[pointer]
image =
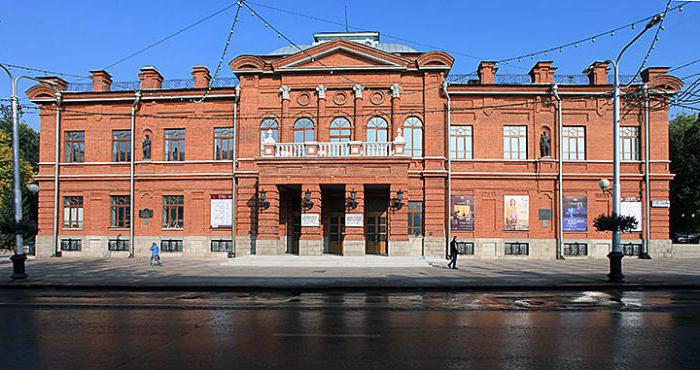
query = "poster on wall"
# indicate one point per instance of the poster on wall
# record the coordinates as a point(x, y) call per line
point(220, 210)
point(632, 209)
point(517, 212)
point(462, 215)
point(575, 213)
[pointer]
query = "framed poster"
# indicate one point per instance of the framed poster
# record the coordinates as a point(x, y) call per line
point(220, 210)
point(575, 213)
point(632, 209)
point(516, 212)
point(462, 213)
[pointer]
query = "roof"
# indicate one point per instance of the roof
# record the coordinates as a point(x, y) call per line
point(366, 38)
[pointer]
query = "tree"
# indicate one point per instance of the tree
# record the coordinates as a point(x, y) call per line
point(685, 164)
point(29, 143)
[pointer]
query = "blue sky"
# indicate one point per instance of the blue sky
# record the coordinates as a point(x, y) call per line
point(80, 35)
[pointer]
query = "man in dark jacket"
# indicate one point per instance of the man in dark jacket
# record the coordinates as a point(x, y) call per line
point(453, 254)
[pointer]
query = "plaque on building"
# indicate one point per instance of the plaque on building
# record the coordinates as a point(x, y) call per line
point(354, 220)
point(309, 219)
point(661, 203)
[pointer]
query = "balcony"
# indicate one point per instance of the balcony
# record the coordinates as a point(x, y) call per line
point(333, 150)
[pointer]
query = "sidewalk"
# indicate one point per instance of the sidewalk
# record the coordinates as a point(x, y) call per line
point(288, 272)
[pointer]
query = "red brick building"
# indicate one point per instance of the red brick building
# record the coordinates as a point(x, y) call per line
point(347, 146)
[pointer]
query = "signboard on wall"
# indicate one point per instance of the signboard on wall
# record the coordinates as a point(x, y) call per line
point(310, 219)
point(661, 203)
point(632, 209)
point(221, 208)
point(462, 213)
point(575, 214)
point(354, 220)
point(516, 212)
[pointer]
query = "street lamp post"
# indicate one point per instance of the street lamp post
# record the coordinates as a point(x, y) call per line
point(18, 271)
point(616, 255)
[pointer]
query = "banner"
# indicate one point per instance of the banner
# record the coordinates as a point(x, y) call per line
point(462, 213)
point(516, 212)
point(632, 209)
point(575, 214)
point(221, 210)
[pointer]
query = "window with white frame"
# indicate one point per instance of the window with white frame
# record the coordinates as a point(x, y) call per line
point(340, 130)
point(629, 143)
point(303, 130)
point(573, 142)
point(73, 212)
point(413, 133)
point(461, 142)
point(377, 130)
point(515, 142)
point(268, 126)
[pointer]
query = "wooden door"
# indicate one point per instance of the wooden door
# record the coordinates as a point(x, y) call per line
point(336, 233)
point(376, 233)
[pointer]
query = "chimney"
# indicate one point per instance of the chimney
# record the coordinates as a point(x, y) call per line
point(101, 81)
point(597, 73)
point(150, 78)
point(487, 71)
point(201, 76)
point(653, 72)
point(61, 84)
point(542, 73)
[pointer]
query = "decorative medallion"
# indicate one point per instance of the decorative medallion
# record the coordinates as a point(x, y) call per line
point(377, 98)
point(304, 99)
point(339, 98)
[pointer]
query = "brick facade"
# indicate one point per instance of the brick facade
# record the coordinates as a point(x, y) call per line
point(355, 81)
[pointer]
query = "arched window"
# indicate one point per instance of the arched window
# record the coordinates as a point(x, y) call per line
point(268, 125)
point(303, 130)
point(413, 132)
point(377, 130)
point(340, 130)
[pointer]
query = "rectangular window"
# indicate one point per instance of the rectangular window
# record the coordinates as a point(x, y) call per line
point(121, 208)
point(631, 249)
point(175, 144)
point(461, 142)
point(466, 248)
point(223, 143)
point(221, 246)
point(71, 245)
point(415, 218)
point(517, 249)
point(73, 212)
point(121, 145)
point(575, 249)
point(75, 146)
point(171, 245)
point(574, 143)
point(629, 143)
point(173, 209)
point(515, 142)
point(118, 245)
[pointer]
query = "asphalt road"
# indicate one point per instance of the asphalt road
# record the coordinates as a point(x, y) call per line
point(93, 329)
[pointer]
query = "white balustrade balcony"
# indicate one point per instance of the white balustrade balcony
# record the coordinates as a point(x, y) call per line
point(333, 149)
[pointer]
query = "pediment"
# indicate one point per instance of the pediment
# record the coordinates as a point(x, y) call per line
point(340, 54)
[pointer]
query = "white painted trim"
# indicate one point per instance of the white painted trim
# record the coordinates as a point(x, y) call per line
point(68, 99)
point(357, 68)
point(331, 50)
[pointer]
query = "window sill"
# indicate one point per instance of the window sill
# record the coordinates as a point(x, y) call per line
point(172, 229)
point(73, 229)
point(119, 228)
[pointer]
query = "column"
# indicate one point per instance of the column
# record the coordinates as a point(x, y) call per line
point(398, 222)
point(322, 136)
point(246, 215)
point(434, 203)
point(285, 120)
point(395, 104)
point(354, 242)
point(268, 241)
point(311, 239)
point(358, 118)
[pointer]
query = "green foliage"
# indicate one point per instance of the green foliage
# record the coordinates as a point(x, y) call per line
point(29, 157)
point(685, 164)
point(612, 223)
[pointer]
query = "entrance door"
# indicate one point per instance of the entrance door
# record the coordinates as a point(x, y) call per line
point(375, 233)
point(336, 233)
point(293, 233)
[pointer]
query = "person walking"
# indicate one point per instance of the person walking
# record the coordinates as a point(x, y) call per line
point(155, 256)
point(453, 254)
